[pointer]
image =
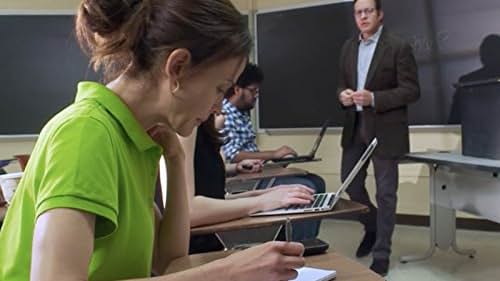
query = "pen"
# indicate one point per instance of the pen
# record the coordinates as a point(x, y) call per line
point(288, 230)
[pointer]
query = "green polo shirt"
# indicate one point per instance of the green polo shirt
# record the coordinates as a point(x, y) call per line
point(93, 156)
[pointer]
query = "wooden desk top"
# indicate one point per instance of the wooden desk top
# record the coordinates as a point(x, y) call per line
point(342, 207)
point(347, 269)
point(270, 172)
point(3, 210)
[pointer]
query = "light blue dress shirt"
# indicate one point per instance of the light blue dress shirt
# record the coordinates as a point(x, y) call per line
point(365, 55)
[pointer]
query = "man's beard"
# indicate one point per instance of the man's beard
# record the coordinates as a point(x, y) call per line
point(246, 106)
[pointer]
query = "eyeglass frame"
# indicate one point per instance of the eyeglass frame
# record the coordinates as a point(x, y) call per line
point(366, 11)
point(254, 91)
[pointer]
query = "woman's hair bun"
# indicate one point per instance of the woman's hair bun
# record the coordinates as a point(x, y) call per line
point(134, 36)
point(106, 16)
point(110, 30)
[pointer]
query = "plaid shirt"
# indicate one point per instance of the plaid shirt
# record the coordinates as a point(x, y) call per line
point(238, 131)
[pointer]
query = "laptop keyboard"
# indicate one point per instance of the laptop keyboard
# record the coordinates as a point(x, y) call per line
point(319, 201)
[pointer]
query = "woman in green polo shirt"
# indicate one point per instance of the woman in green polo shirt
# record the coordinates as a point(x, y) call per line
point(84, 208)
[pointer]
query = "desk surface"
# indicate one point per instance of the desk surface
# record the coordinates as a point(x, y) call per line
point(347, 269)
point(269, 172)
point(3, 210)
point(455, 159)
point(342, 207)
point(285, 162)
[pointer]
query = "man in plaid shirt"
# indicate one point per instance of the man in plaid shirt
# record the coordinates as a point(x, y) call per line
point(240, 141)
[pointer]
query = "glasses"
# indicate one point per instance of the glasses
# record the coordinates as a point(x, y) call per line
point(254, 91)
point(366, 11)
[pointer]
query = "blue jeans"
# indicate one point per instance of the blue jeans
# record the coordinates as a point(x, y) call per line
point(307, 229)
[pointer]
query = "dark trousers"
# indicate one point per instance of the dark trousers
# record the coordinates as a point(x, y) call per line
point(381, 221)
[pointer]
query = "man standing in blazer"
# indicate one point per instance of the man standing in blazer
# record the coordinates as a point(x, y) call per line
point(378, 79)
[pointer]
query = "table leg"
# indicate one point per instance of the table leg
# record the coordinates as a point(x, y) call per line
point(277, 232)
point(464, 252)
point(432, 215)
point(442, 219)
point(432, 244)
point(234, 240)
point(221, 241)
point(271, 182)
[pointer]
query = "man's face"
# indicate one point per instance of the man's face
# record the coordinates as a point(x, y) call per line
point(248, 96)
point(368, 18)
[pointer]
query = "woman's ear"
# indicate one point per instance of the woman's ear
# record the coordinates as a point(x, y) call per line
point(177, 64)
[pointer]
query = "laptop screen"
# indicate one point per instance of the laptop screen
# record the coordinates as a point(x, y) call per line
point(319, 138)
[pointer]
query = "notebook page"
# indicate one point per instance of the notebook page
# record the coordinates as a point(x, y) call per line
point(314, 274)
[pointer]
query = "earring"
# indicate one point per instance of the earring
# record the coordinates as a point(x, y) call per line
point(177, 87)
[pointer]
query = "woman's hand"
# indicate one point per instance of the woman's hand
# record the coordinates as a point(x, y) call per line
point(282, 196)
point(166, 137)
point(272, 261)
point(248, 166)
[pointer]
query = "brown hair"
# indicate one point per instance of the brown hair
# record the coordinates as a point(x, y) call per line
point(135, 35)
point(378, 4)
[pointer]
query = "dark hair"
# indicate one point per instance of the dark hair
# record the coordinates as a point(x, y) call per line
point(134, 35)
point(378, 4)
point(252, 74)
point(488, 50)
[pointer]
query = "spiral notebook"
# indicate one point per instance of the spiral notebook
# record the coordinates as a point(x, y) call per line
point(314, 274)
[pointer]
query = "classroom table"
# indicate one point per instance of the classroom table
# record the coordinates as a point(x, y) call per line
point(342, 207)
point(462, 183)
point(3, 211)
point(347, 269)
point(245, 182)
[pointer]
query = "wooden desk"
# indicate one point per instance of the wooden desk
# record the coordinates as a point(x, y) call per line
point(3, 211)
point(347, 269)
point(245, 182)
point(286, 163)
point(266, 173)
point(342, 207)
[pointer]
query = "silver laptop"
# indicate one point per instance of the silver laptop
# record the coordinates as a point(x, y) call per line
point(306, 157)
point(325, 201)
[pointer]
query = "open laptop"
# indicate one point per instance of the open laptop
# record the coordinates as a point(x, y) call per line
point(325, 201)
point(307, 157)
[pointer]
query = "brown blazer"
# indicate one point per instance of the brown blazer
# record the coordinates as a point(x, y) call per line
point(393, 79)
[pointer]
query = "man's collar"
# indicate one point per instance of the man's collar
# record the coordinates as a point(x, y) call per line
point(230, 106)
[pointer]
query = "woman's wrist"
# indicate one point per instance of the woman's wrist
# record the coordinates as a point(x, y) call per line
point(178, 157)
point(257, 205)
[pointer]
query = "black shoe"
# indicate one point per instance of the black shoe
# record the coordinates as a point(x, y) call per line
point(380, 266)
point(366, 245)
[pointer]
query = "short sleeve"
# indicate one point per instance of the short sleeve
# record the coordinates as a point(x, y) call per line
point(80, 172)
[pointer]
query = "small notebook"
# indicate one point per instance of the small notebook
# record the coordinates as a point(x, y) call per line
point(314, 274)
